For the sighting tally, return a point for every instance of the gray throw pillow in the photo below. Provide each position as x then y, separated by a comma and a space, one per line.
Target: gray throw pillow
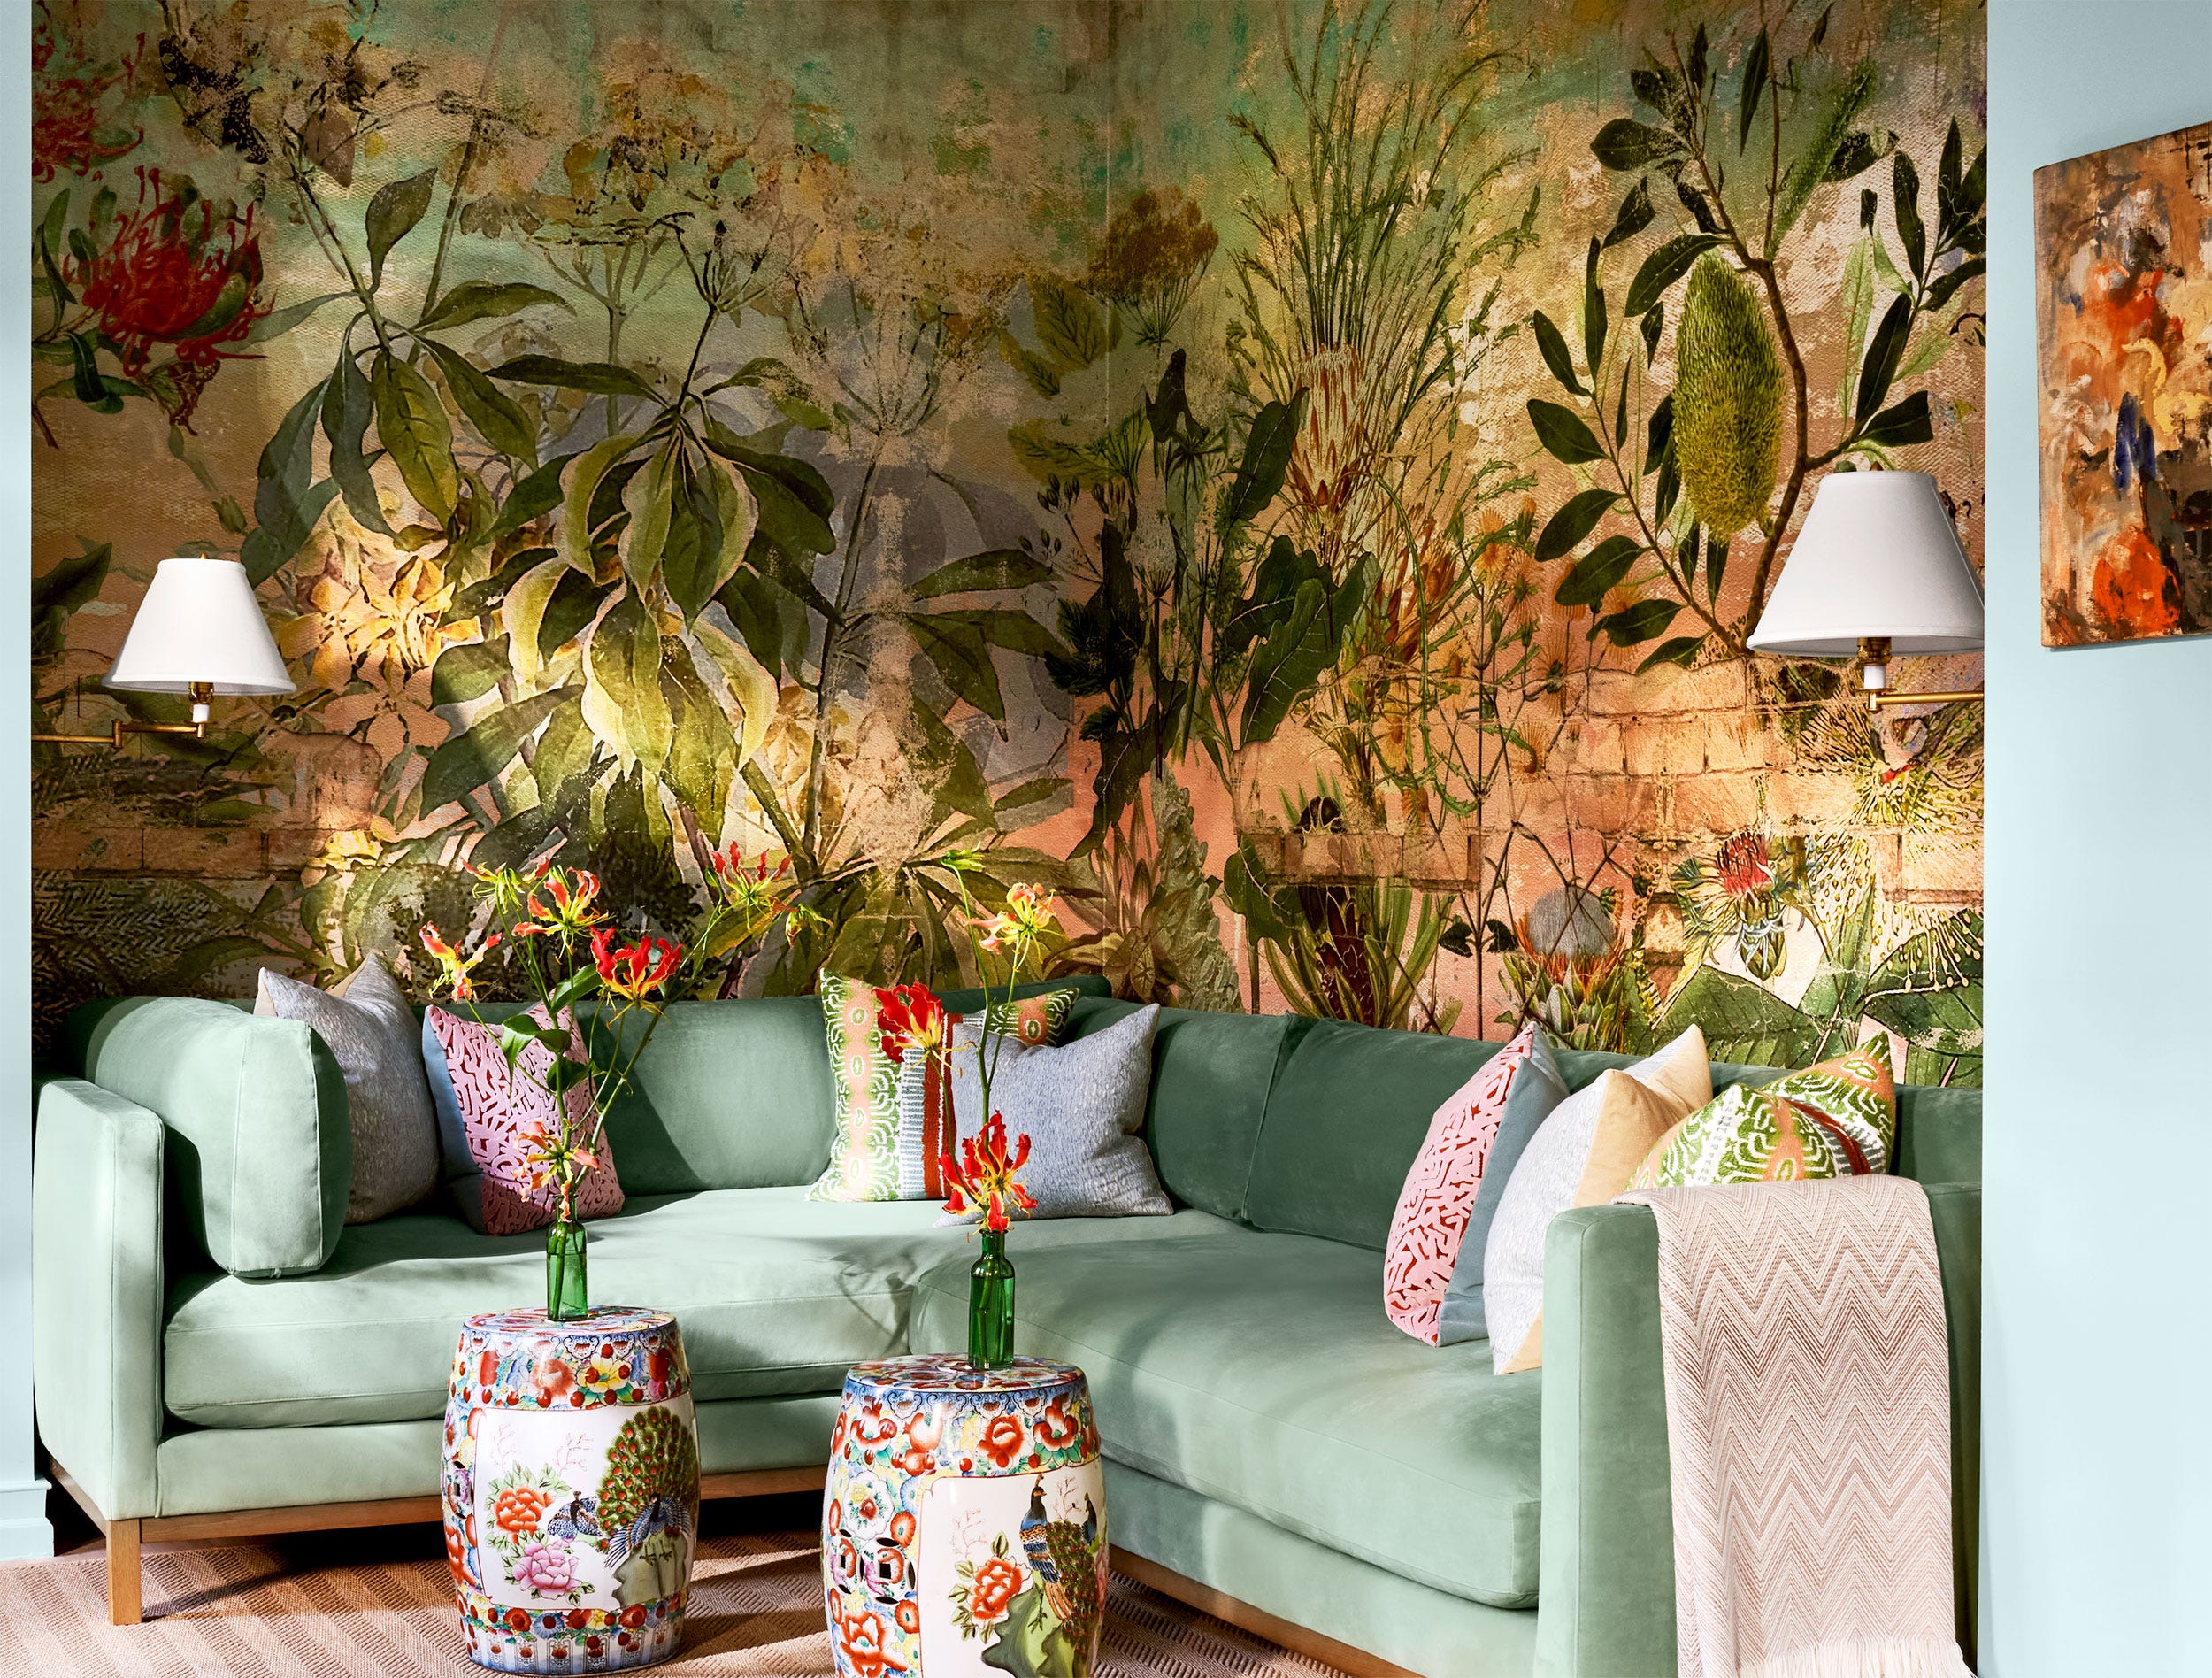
1081, 1105
372, 1034
1537, 1088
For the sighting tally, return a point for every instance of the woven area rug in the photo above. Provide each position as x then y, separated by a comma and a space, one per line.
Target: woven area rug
269, 1612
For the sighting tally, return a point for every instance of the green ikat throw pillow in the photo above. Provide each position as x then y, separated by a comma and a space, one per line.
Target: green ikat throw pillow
883, 1108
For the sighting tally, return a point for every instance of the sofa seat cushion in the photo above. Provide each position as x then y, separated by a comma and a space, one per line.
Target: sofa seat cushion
1259, 1369
775, 1295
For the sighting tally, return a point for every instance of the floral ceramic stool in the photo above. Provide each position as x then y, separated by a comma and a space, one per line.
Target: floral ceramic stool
963, 1527
570, 1489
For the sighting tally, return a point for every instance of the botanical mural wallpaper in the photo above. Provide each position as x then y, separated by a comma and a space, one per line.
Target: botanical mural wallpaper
1296, 480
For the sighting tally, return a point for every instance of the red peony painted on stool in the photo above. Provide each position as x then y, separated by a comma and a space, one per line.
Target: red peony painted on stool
964, 1526
570, 1492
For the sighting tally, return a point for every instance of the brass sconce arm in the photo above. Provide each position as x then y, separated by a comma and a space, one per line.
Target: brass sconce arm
203, 694
1874, 654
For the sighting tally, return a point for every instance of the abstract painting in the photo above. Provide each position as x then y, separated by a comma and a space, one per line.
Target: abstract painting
2124, 315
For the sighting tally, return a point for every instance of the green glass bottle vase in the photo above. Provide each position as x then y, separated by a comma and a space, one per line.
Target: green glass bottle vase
991, 1305
567, 1293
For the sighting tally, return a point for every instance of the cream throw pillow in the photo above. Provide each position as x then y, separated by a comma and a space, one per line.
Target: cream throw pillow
1582, 1155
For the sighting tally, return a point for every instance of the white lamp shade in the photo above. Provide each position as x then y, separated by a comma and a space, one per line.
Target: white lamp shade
1877, 556
200, 622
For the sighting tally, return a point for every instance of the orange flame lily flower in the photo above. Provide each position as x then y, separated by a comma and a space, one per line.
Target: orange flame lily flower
986, 1176
638, 968
911, 1017
573, 908
454, 968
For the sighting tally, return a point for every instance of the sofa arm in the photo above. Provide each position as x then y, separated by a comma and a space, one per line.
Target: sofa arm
96, 1290
1605, 1591
1605, 1602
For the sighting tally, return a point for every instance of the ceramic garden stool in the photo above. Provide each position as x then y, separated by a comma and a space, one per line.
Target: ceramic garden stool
964, 1527
571, 1488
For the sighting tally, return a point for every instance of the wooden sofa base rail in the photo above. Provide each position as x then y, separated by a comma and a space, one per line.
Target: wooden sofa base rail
124, 1539
1258, 1621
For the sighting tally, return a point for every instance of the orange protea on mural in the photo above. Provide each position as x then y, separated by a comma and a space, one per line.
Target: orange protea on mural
1334, 457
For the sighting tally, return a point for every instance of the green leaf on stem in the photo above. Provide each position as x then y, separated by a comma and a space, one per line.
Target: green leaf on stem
392, 213
1576, 520
487, 300
1665, 265
481, 754
1641, 622
494, 413
1634, 214
1904, 204
286, 500
1756, 68
1267, 447
1553, 347
600, 378
1598, 572
963, 657
412, 425
1563, 433
348, 407
1883, 354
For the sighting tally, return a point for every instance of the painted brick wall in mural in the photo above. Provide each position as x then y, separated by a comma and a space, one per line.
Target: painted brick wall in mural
1299, 483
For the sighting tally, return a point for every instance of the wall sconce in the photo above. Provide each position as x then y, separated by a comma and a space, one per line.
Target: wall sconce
1877, 570
198, 631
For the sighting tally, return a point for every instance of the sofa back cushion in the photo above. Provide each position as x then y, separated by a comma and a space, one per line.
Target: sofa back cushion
1938, 1130
258, 1151
731, 1094
1345, 1119
1211, 1075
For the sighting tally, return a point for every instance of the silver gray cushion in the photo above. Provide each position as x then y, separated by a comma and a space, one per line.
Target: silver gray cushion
1081, 1105
372, 1034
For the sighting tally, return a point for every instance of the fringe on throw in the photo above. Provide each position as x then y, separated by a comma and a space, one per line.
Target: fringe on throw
1866, 1658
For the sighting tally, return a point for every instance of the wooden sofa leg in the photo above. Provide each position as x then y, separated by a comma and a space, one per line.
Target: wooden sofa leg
124, 1604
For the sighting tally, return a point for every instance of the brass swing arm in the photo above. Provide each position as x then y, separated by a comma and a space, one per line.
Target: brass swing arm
202, 694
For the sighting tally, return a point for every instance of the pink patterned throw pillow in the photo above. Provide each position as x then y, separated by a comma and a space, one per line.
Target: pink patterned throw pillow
1429, 1232
497, 1113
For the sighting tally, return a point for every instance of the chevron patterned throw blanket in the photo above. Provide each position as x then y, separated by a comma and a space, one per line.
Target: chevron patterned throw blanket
1808, 1426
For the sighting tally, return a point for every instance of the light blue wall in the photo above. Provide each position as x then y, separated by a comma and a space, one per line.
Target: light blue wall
2097, 1349
23, 1529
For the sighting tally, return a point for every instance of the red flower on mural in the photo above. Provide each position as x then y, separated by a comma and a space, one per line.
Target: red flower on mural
1743, 865
180, 272
68, 128
2132, 589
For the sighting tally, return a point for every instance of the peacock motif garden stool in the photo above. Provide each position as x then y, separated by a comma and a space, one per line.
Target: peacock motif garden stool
570, 1491
964, 1527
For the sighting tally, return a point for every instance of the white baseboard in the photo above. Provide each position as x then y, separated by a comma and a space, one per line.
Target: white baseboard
25, 1533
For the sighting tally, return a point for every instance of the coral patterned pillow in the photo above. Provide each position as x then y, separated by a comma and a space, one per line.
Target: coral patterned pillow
1836, 1119
889, 1111
1433, 1234
493, 1114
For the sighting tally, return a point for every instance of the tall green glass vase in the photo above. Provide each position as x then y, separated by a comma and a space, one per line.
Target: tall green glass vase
567, 1293
991, 1305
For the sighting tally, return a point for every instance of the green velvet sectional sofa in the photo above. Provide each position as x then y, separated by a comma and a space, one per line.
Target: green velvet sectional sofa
217, 1353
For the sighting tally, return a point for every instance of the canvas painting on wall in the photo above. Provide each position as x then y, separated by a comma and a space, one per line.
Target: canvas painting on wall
2124, 311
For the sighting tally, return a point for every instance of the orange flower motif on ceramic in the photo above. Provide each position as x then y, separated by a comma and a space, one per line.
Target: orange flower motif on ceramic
1056, 1427
555, 1380
520, 1509
997, 1582
860, 1636
909, 1616
902, 1528
1002, 1440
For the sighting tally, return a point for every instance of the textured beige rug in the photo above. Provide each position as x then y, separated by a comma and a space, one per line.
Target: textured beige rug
276, 1611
